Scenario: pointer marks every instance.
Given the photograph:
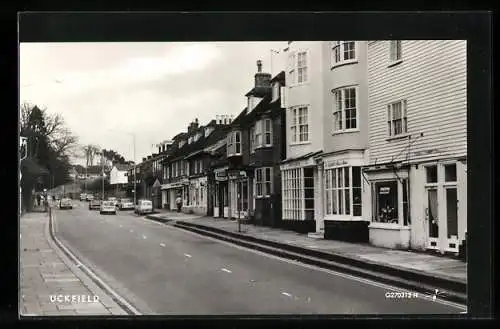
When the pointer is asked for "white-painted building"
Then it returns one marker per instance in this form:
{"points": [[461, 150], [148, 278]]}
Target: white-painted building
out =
{"points": [[418, 144], [304, 102], [118, 174]]}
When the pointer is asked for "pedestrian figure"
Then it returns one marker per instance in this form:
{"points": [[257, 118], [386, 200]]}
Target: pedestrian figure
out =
{"points": [[178, 201], [38, 199]]}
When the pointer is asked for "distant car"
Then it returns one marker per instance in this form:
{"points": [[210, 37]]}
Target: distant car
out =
{"points": [[89, 197], [83, 197], [94, 204], [66, 203], [114, 200], [108, 207], [125, 204], [144, 207]]}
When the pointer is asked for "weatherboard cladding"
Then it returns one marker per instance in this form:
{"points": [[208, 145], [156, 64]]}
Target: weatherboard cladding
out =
{"points": [[432, 78]]}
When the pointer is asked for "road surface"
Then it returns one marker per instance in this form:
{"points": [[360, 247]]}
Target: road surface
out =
{"points": [[160, 269]]}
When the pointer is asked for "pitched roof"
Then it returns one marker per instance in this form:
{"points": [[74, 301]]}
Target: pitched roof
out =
{"points": [[121, 166], [279, 77]]}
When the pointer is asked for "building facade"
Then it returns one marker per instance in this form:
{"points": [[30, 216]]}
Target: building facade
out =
{"points": [[304, 102], [267, 149], [418, 144], [345, 141]]}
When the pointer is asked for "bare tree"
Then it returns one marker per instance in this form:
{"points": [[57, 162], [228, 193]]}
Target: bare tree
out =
{"points": [[90, 152]]}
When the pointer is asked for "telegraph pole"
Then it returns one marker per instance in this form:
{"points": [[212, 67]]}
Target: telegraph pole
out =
{"points": [[135, 177]]}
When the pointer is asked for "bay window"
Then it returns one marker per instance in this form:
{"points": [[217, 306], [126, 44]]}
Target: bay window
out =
{"points": [[263, 181], [298, 194], [343, 52], [299, 127], [252, 139], [343, 191], [262, 134], [345, 115], [234, 143], [397, 119]]}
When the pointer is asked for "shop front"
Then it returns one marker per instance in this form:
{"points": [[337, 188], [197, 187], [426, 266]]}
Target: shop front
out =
{"points": [[239, 194], [298, 191], [171, 191], [389, 209], [344, 196], [221, 191], [198, 195]]}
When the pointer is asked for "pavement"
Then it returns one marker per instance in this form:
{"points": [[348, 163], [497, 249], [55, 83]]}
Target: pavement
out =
{"points": [[433, 265], [49, 283], [160, 269]]}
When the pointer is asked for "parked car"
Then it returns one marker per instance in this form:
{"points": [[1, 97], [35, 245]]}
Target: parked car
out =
{"points": [[94, 204], [114, 200], [125, 204], [66, 203], [83, 197], [108, 207], [144, 207], [89, 197]]}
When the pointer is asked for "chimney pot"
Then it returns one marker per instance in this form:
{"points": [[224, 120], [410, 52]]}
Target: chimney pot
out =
{"points": [[259, 66]]}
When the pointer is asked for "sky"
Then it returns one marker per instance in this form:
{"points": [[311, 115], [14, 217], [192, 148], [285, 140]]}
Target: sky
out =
{"points": [[108, 92]]}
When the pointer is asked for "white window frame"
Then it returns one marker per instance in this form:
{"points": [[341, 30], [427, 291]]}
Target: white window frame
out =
{"points": [[395, 52], [343, 111], [293, 194], [232, 143], [267, 132], [293, 67], [329, 189], [259, 136], [262, 182], [341, 46], [294, 123], [391, 120]]}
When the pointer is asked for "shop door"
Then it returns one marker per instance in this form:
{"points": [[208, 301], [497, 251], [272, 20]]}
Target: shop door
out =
{"points": [[432, 217]]}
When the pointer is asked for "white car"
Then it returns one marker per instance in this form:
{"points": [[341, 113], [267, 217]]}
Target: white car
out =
{"points": [[66, 203], [89, 197], [114, 200], [108, 207], [144, 207], [125, 204], [83, 197]]}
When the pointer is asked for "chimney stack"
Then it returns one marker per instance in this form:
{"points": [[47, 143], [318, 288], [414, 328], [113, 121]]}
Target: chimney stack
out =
{"points": [[262, 80]]}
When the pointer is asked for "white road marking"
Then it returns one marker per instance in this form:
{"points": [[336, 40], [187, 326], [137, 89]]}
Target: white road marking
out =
{"points": [[187, 255], [316, 268], [226, 270], [286, 294], [131, 231], [121, 225], [162, 244], [144, 237]]}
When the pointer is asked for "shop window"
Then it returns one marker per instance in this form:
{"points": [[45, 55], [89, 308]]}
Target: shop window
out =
{"points": [[452, 212], [450, 172], [386, 198], [431, 173], [356, 191], [406, 214]]}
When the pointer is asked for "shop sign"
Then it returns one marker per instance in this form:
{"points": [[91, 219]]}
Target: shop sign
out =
{"points": [[238, 175], [335, 163], [384, 190], [298, 164]]}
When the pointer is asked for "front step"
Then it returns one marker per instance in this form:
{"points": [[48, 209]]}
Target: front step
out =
{"points": [[316, 235]]}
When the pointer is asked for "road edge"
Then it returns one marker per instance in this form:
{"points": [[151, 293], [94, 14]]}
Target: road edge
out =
{"points": [[116, 304]]}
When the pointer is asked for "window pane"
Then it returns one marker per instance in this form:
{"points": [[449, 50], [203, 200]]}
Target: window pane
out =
{"points": [[431, 172], [334, 202], [356, 176], [268, 188], [346, 177], [328, 202], [327, 179], [356, 202], [432, 213], [451, 211], [268, 138], [238, 148], [387, 202], [341, 201], [268, 174], [450, 172], [347, 202], [334, 178], [340, 176]]}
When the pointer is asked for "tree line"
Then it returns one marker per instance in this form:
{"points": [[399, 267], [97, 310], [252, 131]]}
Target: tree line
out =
{"points": [[50, 146]]}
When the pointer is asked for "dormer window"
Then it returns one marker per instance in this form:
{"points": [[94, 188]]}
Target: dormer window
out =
{"points": [[208, 131], [276, 91], [263, 131], [196, 137]]}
